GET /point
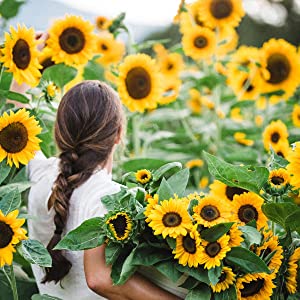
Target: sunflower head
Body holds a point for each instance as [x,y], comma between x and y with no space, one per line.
[292,272]
[11,234]
[20,55]
[226,279]
[194,163]
[171,87]
[143,176]
[240,137]
[18,137]
[103,23]
[120,226]
[278,182]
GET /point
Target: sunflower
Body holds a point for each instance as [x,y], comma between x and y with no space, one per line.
[292,271]
[219,13]
[274,133]
[143,176]
[278,181]
[235,236]
[247,207]
[195,101]
[203,183]
[171,87]
[271,245]
[283,65]
[20,55]
[214,252]
[240,137]
[11,234]
[227,40]
[293,167]
[103,23]
[152,201]
[235,115]
[45,59]
[170,218]
[190,17]
[259,120]
[226,279]
[139,82]
[188,249]
[72,40]
[199,43]
[255,286]
[210,211]
[18,141]
[282,148]
[296,115]
[194,163]
[110,49]
[120,226]
[225,192]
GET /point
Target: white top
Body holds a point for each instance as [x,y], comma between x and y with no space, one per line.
[85,203]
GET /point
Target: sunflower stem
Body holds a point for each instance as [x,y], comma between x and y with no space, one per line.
[10,275]
[135,134]
[217,99]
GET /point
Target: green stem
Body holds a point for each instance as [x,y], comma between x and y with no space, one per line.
[217,101]
[135,134]
[12,281]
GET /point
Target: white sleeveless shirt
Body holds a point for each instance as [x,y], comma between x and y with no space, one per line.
[85,203]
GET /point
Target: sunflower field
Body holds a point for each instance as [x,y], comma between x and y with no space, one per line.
[210,165]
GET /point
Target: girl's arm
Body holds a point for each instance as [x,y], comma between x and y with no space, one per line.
[98,279]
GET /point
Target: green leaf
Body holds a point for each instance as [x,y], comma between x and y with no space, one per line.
[14,96]
[88,235]
[192,203]
[246,177]
[215,232]
[6,80]
[110,201]
[229,294]
[112,251]
[10,202]
[202,291]
[4,170]
[60,74]
[167,269]
[246,260]
[274,93]
[159,173]
[44,297]
[179,181]
[165,192]
[171,242]
[35,252]
[190,283]
[93,70]
[198,273]
[9,188]
[251,235]
[214,275]
[292,221]
[10,8]
[278,212]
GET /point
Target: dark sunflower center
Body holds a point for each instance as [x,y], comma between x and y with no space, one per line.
[266,252]
[120,225]
[222,277]
[247,213]
[21,54]
[209,213]
[212,249]
[72,40]
[277,180]
[275,137]
[200,42]
[144,176]
[6,234]
[189,244]
[48,62]
[171,219]
[231,191]
[138,83]
[104,47]
[252,288]
[14,137]
[279,153]
[221,9]
[249,87]
[279,67]
[170,66]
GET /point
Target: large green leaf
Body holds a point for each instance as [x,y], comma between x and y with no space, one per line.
[169,167]
[60,74]
[167,269]
[229,294]
[214,274]
[198,273]
[293,221]
[14,96]
[6,80]
[179,181]
[251,235]
[112,251]
[111,201]
[10,202]
[93,70]
[278,212]
[246,260]
[88,235]
[9,188]
[35,252]
[202,291]
[215,232]
[165,192]
[246,177]
[4,170]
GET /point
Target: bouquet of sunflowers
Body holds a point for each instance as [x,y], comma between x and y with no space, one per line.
[206,246]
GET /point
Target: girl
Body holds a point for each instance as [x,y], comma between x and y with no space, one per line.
[67,190]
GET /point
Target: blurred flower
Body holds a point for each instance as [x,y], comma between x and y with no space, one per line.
[282,148]
[220,113]
[71,40]
[171,87]
[194,163]
[296,115]
[190,17]
[259,120]
[139,83]
[103,23]
[143,176]
[293,167]
[203,182]
[20,55]
[240,137]
[45,59]
[291,274]
[11,234]
[227,40]
[235,115]
[195,101]
[18,137]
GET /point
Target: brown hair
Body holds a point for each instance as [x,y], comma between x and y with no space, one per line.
[89,121]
